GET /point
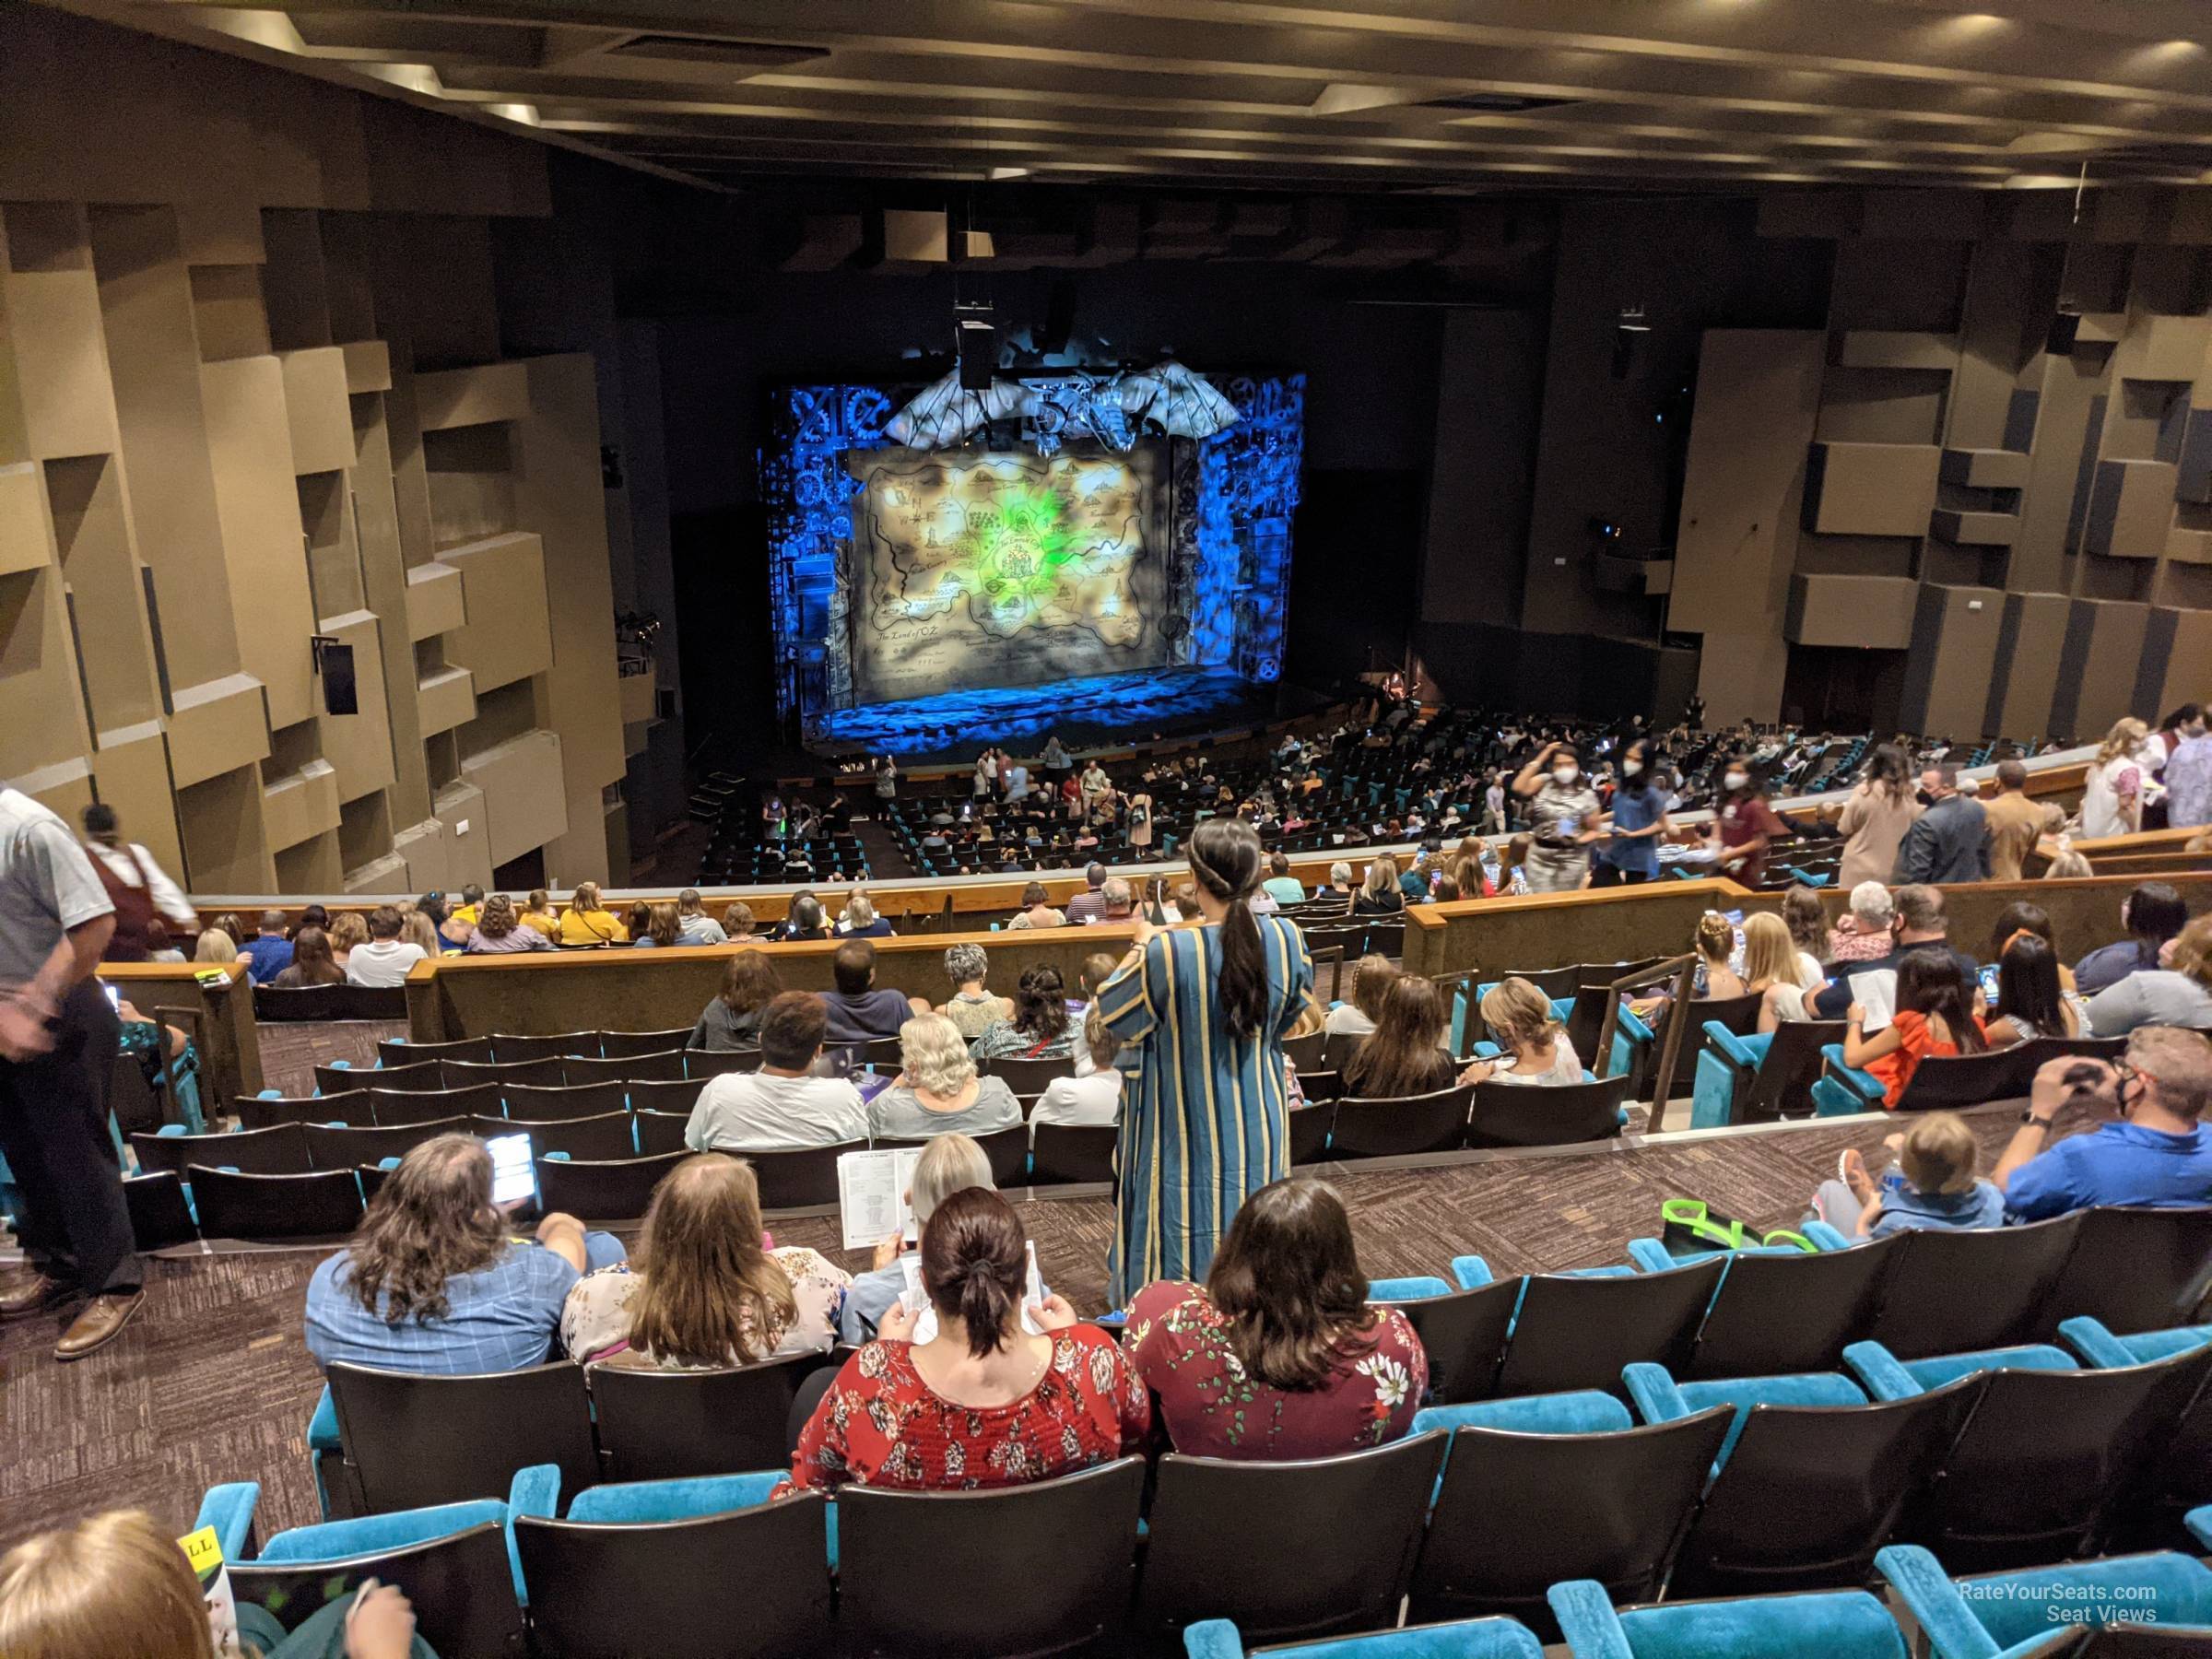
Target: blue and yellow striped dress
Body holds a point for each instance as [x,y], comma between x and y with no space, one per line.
[1203,1111]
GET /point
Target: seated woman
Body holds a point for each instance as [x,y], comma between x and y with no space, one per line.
[1537,1050]
[2030,1001]
[972,1008]
[861,922]
[501,932]
[588,921]
[705,1292]
[313,963]
[1934,1184]
[983,1402]
[950,1164]
[347,928]
[1934,1016]
[1037,910]
[1775,971]
[936,1090]
[1095,1097]
[1039,1028]
[215,948]
[2177,995]
[656,926]
[1405,1052]
[732,1020]
[1716,944]
[1381,895]
[738,925]
[536,915]
[119,1583]
[1867,929]
[1279,1355]
[1358,1014]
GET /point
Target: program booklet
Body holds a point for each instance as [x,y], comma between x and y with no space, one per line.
[916,1299]
[871,1195]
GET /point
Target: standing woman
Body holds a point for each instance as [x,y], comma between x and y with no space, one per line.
[1631,856]
[1140,821]
[1204,1010]
[1876,817]
[1564,808]
[2113,788]
[887,779]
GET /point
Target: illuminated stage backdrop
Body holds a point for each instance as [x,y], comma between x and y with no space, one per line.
[898,574]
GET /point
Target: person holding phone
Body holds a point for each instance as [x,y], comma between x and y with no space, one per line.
[2156,1153]
[1565,810]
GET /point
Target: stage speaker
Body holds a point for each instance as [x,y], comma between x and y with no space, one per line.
[334,662]
[2065,328]
[977,332]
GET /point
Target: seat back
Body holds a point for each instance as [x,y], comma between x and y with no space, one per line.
[661,1094]
[1009,1150]
[616,1045]
[615,1190]
[400,1110]
[1064,1549]
[1463,1334]
[1310,1132]
[1266,1544]
[1384,1128]
[1944,1082]
[1520,1512]
[606,1138]
[1777,1315]
[661,1132]
[799,1180]
[260,1112]
[280,1149]
[543,1072]
[272,1005]
[411,1441]
[667,1067]
[1579,1333]
[1070,1152]
[1784,1087]
[329,1148]
[1519,1114]
[2029,1055]
[1305,1051]
[1557,984]
[1027,1077]
[2135,1269]
[508,1048]
[543,1104]
[324,1206]
[701,1064]
[1810,1492]
[159,1217]
[399,1050]
[1738,1014]
[460,1585]
[410,1079]
[1950,1292]
[657,1425]
[668,1588]
[1338,1047]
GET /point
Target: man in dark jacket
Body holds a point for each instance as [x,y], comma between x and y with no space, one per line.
[1950,842]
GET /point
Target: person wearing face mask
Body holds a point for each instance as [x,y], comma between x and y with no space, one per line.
[2159,1153]
[1744,826]
[1638,820]
[1565,811]
[1950,842]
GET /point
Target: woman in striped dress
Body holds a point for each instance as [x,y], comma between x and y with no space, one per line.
[1204,1010]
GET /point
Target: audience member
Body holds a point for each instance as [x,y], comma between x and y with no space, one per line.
[537,915]
[1279,1356]
[1713,943]
[1934,1184]
[268,953]
[1775,971]
[1808,927]
[693,925]
[312,963]
[1037,909]
[805,920]
[231,925]
[857,1010]
[589,921]
[215,947]
[2031,1002]
[1357,1014]
[1121,900]
[971,1009]
[500,932]
[1916,919]
[1337,891]
[159,946]
[1934,1015]
[1875,816]
[2160,1153]
[1950,842]
[737,925]
[348,929]
[731,1021]
[950,1164]
[1089,905]
[1565,811]
[2153,913]
[1744,826]
[2179,994]
[2188,776]
[1534,1044]
[783,1107]
[983,1402]
[1039,1028]
[419,928]
[860,920]
[2023,917]
[1406,1054]
[2016,822]
[387,959]
[1381,895]
[1098,968]
[137,886]
[1285,887]
[705,1290]
[2118,778]
[937,1090]
[2068,863]
[1092,1097]
[433,1282]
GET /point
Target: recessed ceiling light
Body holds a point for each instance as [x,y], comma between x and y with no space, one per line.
[1009,173]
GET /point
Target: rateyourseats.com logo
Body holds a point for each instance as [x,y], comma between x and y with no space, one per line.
[2073,1603]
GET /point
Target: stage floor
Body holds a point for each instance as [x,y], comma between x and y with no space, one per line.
[1108,709]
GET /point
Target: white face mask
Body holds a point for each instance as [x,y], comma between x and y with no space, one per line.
[1628,768]
[1734,780]
[1565,774]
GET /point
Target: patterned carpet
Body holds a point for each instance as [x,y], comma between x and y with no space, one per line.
[211,1382]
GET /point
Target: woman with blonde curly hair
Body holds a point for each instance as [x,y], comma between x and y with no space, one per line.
[1536,1045]
[2113,787]
[937,1090]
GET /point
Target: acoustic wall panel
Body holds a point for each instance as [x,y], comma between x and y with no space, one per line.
[249,437]
[2098,665]
[524,803]
[26,541]
[218,728]
[459,397]
[315,388]
[131,773]
[1953,658]
[50,321]
[1869,612]
[1871,489]
[2131,503]
[508,634]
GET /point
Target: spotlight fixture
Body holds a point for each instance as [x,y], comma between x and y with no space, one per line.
[1628,336]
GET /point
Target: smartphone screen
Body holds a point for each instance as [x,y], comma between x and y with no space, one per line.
[512,1179]
[114,997]
[1989,985]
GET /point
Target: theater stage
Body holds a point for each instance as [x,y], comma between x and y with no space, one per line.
[1103,710]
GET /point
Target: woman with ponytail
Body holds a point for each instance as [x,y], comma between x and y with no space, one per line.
[980,1387]
[1204,1009]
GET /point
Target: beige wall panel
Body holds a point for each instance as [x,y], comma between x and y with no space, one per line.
[92,536]
[2068,386]
[218,728]
[221,232]
[2007,309]
[445,699]
[434,600]
[468,846]
[2131,505]
[301,805]
[2188,546]
[385,874]
[508,635]
[310,866]
[1758,391]
[292,280]
[153,353]
[2031,635]
[224,848]
[42,717]
[1863,612]
[1953,659]
[2163,348]
[132,772]
[368,365]
[314,403]
[428,865]
[50,319]
[2188,661]
[1872,488]
[1740,677]
[229,316]
[1975,529]
[1985,468]
[359,746]
[251,443]
[65,788]
[2098,667]
[384,580]
[458,397]
[525,803]
[1897,349]
[26,538]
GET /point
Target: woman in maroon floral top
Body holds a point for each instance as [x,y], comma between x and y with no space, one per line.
[1279,1356]
[984,1402]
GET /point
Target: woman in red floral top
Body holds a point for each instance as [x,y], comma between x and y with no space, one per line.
[1279,1356]
[985,1402]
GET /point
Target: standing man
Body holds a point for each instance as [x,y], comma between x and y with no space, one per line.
[2016,823]
[58,1043]
[137,886]
[2189,773]
[1950,842]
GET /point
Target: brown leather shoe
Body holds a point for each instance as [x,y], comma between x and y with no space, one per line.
[28,1292]
[98,1324]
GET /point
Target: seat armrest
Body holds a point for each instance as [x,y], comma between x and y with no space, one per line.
[1653,1390]
[1944,1618]
[322,1427]
[2199,1523]
[1824,1237]
[1587,1620]
[1212,1638]
[1730,1047]
[1879,1373]
[1859,1083]
[1650,1256]
[536,1491]
[1406,1290]
[2089,1338]
[230,1510]
[1471,1272]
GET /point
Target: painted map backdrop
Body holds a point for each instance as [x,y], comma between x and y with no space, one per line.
[1003,570]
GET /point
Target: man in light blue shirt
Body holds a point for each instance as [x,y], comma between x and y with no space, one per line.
[2188,777]
[2158,1156]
